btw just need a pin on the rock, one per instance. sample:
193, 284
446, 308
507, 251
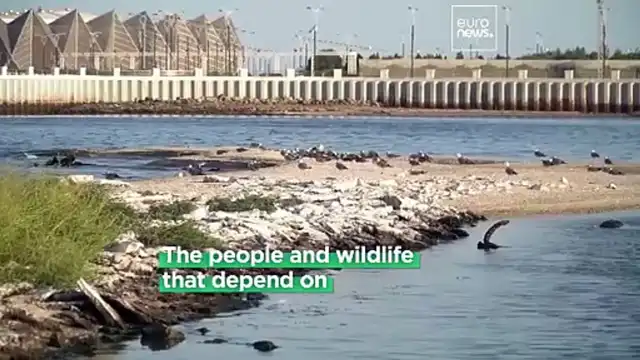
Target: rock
201, 213
612, 186
564, 180
392, 200
160, 337
216, 179
125, 244
264, 346
216, 341
611, 224
80, 178
113, 182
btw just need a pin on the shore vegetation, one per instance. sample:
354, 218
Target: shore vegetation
53, 230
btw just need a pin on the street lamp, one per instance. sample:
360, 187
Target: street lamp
507, 29
227, 17
412, 10
316, 18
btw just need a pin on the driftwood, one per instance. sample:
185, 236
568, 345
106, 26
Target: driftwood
110, 315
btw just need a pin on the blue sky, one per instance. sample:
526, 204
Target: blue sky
383, 25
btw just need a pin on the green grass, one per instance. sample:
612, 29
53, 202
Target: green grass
51, 231
186, 235
250, 203
171, 211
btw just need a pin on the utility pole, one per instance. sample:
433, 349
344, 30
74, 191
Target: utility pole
507, 28
412, 10
316, 19
602, 32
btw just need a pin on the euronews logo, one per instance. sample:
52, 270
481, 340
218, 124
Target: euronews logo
474, 27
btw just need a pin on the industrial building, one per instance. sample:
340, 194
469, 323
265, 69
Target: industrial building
70, 40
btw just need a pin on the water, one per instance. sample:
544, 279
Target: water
512, 139
564, 290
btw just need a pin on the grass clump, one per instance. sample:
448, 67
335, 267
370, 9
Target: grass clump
247, 203
171, 211
51, 230
186, 235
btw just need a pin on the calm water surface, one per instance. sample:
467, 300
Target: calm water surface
565, 290
513, 139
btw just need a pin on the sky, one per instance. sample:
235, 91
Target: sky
385, 25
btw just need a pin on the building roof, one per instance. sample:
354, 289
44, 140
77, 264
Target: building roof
112, 36
73, 34
211, 34
151, 33
226, 30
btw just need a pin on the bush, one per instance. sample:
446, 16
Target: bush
186, 235
52, 230
248, 203
171, 211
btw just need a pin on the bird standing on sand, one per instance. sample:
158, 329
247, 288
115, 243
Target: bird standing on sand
608, 161
382, 162
594, 154
341, 166
539, 153
414, 161
303, 165
463, 160
509, 170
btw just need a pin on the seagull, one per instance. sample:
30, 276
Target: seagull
341, 166
463, 160
547, 162
30, 156
594, 154
414, 161
557, 161
608, 161
539, 153
303, 165
382, 163
509, 170
194, 170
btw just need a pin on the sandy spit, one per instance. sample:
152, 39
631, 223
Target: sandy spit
554, 190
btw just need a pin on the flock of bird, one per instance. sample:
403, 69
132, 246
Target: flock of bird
320, 154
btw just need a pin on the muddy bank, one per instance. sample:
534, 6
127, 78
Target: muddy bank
284, 107
250, 214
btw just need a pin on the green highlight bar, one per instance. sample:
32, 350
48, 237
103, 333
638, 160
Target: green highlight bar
170, 282
381, 257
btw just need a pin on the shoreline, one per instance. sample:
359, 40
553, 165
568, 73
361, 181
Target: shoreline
415, 207
286, 108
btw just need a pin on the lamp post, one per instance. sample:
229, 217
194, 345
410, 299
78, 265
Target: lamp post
507, 29
412, 10
227, 17
316, 19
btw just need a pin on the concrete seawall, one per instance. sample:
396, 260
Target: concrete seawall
523, 93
